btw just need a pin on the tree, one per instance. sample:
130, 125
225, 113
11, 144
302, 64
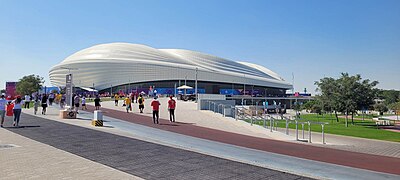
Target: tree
308, 105
390, 96
346, 94
381, 108
29, 84
328, 97
395, 107
3, 91
297, 107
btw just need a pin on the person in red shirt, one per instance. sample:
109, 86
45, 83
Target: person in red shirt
156, 107
10, 108
171, 109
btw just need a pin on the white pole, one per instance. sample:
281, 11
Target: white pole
195, 91
244, 84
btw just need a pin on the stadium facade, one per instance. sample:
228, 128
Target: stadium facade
129, 67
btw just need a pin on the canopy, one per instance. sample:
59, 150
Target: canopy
184, 87
88, 89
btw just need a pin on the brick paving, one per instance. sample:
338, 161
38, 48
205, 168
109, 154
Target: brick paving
340, 157
136, 157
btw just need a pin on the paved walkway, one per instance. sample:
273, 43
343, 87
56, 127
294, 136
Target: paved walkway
188, 113
23, 158
346, 158
132, 156
263, 159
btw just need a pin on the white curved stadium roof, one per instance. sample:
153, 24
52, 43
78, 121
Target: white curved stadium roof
113, 64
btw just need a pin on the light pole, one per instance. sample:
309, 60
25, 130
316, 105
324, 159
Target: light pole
129, 87
244, 84
195, 89
185, 85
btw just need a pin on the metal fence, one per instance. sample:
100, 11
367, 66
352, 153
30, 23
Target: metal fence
269, 121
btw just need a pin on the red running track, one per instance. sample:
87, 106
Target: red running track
346, 158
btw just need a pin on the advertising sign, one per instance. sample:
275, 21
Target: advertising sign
11, 88
68, 89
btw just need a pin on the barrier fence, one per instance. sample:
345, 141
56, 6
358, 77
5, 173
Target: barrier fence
255, 115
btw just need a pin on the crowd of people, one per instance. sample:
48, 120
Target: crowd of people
155, 104
14, 107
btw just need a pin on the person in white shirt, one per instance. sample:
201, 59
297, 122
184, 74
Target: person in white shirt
3, 104
84, 103
27, 101
17, 110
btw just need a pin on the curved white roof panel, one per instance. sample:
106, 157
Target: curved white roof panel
113, 64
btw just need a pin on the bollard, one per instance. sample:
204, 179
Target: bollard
214, 108
302, 128
251, 120
271, 125
98, 118
236, 113
287, 127
264, 122
223, 109
323, 135
209, 105
309, 132
297, 131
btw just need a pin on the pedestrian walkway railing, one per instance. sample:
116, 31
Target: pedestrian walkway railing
268, 121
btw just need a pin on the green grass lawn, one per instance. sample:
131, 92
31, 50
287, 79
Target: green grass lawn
363, 129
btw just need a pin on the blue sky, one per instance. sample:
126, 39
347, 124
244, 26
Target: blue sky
312, 39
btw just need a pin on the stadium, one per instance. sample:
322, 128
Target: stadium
125, 67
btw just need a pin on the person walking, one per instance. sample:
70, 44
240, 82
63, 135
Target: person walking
51, 99
3, 104
17, 110
116, 98
97, 102
156, 107
62, 101
127, 102
44, 104
36, 104
27, 101
171, 109
141, 103
9, 109
84, 103
76, 101
132, 95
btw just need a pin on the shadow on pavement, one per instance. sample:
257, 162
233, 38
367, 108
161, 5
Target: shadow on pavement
15, 127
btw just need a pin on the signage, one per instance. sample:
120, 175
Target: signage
11, 88
68, 90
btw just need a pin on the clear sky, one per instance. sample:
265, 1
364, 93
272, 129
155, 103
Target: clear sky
309, 38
